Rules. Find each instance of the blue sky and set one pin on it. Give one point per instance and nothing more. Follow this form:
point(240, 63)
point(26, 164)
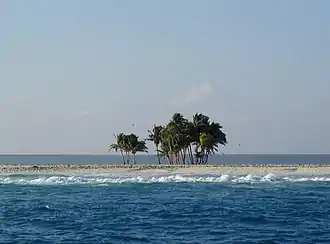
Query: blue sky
point(75, 72)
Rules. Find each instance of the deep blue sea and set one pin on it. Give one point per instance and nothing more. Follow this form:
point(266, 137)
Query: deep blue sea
point(164, 208)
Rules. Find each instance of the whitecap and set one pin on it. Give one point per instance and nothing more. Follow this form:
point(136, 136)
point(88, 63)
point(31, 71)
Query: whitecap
point(149, 179)
point(246, 179)
point(269, 178)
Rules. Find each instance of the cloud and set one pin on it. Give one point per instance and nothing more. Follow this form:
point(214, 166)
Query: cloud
point(197, 94)
point(85, 112)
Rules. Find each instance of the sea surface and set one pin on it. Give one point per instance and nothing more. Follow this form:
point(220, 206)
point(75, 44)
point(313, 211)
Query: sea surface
point(152, 159)
point(164, 208)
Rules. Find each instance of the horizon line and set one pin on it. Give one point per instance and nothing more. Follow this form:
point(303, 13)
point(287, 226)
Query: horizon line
point(112, 154)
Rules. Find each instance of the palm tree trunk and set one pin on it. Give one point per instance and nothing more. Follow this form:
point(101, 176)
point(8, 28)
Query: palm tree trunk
point(158, 157)
point(172, 158)
point(207, 158)
point(197, 159)
point(168, 158)
point(203, 156)
point(134, 162)
point(191, 157)
point(122, 155)
point(127, 158)
point(183, 155)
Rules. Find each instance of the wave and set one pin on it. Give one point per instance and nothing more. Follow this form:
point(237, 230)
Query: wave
point(106, 180)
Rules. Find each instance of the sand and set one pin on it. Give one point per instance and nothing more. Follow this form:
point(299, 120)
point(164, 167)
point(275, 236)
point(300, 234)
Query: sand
point(259, 169)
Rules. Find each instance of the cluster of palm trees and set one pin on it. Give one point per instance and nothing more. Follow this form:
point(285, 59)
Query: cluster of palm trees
point(128, 145)
point(179, 142)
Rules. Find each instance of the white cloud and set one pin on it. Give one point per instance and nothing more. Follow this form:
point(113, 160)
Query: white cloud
point(85, 112)
point(197, 94)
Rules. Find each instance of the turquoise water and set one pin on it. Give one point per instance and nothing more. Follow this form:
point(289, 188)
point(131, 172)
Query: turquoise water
point(151, 208)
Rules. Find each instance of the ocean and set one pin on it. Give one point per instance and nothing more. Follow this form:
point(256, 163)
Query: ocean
point(152, 159)
point(168, 208)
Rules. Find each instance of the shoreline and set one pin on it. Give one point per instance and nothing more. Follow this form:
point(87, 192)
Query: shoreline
point(286, 169)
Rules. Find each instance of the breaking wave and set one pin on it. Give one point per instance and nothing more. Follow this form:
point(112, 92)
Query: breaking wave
point(149, 179)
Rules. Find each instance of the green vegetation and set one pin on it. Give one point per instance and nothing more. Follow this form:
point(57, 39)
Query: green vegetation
point(179, 142)
point(128, 145)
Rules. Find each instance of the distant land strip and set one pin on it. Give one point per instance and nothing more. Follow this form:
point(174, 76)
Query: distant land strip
point(154, 166)
point(117, 169)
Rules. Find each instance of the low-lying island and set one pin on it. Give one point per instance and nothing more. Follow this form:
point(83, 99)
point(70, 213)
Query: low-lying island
point(179, 169)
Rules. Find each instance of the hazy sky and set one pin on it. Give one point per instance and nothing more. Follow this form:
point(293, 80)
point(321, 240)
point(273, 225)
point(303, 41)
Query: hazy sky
point(75, 72)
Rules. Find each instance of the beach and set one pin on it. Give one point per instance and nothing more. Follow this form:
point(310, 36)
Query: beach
point(239, 169)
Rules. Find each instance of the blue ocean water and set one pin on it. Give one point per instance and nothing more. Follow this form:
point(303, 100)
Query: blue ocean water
point(152, 159)
point(164, 208)
point(155, 208)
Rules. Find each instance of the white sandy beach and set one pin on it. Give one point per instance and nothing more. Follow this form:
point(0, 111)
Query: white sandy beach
point(175, 169)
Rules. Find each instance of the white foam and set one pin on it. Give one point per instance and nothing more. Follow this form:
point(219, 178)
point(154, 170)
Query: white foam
point(148, 179)
point(303, 179)
point(269, 177)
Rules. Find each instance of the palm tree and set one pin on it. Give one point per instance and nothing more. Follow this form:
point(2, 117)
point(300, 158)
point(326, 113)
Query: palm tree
point(119, 145)
point(192, 135)
point(200, 123)
point(182, 136)
point(134, 145)
point(167, 143)
point(209, 141)
point(129, 144)
point(155, 137)
point(139, 147)
point(216, 131)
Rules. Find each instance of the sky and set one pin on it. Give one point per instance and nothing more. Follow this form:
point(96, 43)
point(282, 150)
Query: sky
point(74, 73)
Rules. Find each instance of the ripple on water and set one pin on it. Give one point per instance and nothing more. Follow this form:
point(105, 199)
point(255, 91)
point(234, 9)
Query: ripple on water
point(178, 210)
